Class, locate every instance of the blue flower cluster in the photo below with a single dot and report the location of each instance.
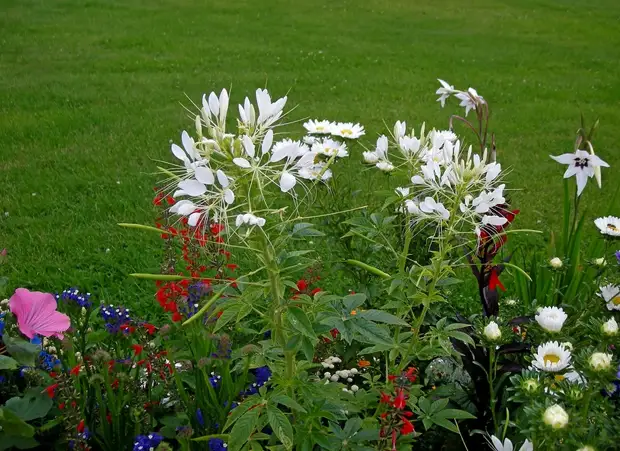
(147, 442)
(2, 323)
(74, 295)
(217, 444)
(47, 361)
(114, 317)
(82, 437)
(215, 379)
(262, 376)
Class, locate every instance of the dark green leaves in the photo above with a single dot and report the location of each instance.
(21, 350)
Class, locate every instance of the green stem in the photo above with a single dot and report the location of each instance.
(491, 379)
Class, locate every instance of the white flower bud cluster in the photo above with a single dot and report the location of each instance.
(344, 376)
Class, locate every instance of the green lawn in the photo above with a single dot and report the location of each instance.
(91, 94)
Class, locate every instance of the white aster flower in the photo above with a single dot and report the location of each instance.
(551, 357)
(582, 165)
(611, 295)
(330, 148)
(409, 145)
(319, 127)
(445, 91)
(556, 263)
(600, 361)
(249, 219)
(555, 416)
(608, 225)
(347, 130)
(492, 331)
(610, 327)
(551, 318)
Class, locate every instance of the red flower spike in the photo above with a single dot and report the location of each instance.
(51, 390)
(176, 317)
(61, 406)
(407, 427)
(80, 426)
(385, 398)
(75, 370)
(400, 401)
(302, 285)
(150, 329)
(410, 374)
(53, 374)
(137, 349)
(315, 291)
(334, 333)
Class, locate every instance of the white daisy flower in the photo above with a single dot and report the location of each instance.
(611, 295)
(348, 130)
(552, 357)
(330, 148)
(600, 361)
(608, 225)
(551, 318)
(582, 165)
(319, 127)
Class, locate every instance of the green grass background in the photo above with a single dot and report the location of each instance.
(91, 94)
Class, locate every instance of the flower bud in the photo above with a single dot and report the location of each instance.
(530, 385)
(556, 263)
(599, 361)
(600, 262)
(492, 332)
(555, 416)
(354, 388)
(610, 327)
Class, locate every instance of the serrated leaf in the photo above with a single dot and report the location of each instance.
(288, 402)
(379, 316)
(281, 426)
(236, 413)
(300, 322)
(227, 316)
(352, 301)
(370, 332)
(243, 428)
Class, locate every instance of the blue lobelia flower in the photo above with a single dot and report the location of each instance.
(114, 317)
(262, 376)
(147, 442)
(217, 444)
(73, 295)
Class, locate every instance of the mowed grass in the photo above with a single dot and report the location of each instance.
(91, 93)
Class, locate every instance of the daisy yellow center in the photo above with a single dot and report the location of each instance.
(551, 358)
(559, 377)
(612, 227)
(346, 131)
(616, 300)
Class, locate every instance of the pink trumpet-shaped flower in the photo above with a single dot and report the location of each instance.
(36, 314)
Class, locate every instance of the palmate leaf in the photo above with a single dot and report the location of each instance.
(243, 428)
(379, 316)
(299, 322)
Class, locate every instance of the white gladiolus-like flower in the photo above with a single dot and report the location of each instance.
(347, 130)
(600, 361)
(611, 295)
(610, 327)
(582, 165)
(492, 331)
(445, 91)
(556, 263)
(608, 225)
(317, 127)
(469, 99)
(551, 318)
(555, 416)
(497, 445)
(249, 219)
(551, 357)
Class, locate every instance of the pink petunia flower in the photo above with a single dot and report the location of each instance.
(36, 314)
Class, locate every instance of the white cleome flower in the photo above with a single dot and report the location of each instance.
(600, 361)
(317, 127)
(555, 416)
(385, 166)
(492, 331)
(551, 318)
(610, 327)
(347, 130)
(370, 157)
(608, 225)
(582, 165)
(249, 219)
(552, 357)
(611, 295)
(497, 445)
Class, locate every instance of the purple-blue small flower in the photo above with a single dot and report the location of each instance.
(617, 254)
(74, 295)
(114, 317)
(262, 376)
(147, 442)
(217, 444)
(200, 418)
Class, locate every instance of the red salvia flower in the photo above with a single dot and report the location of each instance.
(385, 398)
(407, 427)
(75, 370)
(51, 390)
(400, 401)
(150, 329)
(137, 349)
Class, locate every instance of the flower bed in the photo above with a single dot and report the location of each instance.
(256, 354)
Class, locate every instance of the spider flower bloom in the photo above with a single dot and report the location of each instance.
(36, 314)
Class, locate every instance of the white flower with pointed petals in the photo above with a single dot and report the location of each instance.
(445, 91)
(215, 108)
(385, 166)
(469, 99)
(317, 127)
(314, 171)
(582, 165)
(287, 181)
(611, 295)
(347, 130)
(402, 191)
(330, 147)
(370, 157)
(551, 318)
(268, 112)
(400, 129)
(608, 225)
(409, 145)
(507, 445)
(430, 206)
(552, 357)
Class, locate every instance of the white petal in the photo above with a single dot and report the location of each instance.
(565, 158)
(267, 141)
(229, 196)
(223, 105)
(571, 170)
(239, 220)
(287, 182)
(582, 179)
(596, 161)
(261, 222)
(205, 105)
(242, 163)
(221, 177)
(188, 143)
(178, 152)
(193, 219)
(282, 152)
(248, 145)
(494, 220)
(497, 443)
(214, 104)
(242, 115)
(204, 175)
(192, 187)
(186, 208)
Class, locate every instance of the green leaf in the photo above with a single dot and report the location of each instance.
(454, 414)
(9, 421)
(305, 229)
(31, 406)
(352, 301)
(300, 322)
(288, 402)
(281, 426)
(379, 316)
(369, 332)
(243, 428)
(21, 350)
(8, 363)
(445, 424)
(462, 336)
(230, 312)
(308, 348)
(438, 405)
(237, 412)
(11, 441)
